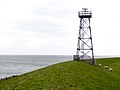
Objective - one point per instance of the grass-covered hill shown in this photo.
(71, 75)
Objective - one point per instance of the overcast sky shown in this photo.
(50, 27)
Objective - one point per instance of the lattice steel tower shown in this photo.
(85, 45)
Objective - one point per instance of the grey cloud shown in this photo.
(53, 8)
(40, 26)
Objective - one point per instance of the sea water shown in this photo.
(19, 64)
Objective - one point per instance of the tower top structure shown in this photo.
(85, 13)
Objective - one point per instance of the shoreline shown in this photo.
(67, 76)
(96, 57)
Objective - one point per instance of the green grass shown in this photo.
(71, 75)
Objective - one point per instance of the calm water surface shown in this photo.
(19, 64)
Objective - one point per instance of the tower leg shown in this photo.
(76, 57)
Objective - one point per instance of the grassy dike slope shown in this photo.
(69, 75)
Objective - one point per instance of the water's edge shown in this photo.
(12, 65)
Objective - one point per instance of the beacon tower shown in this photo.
(85, 46)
